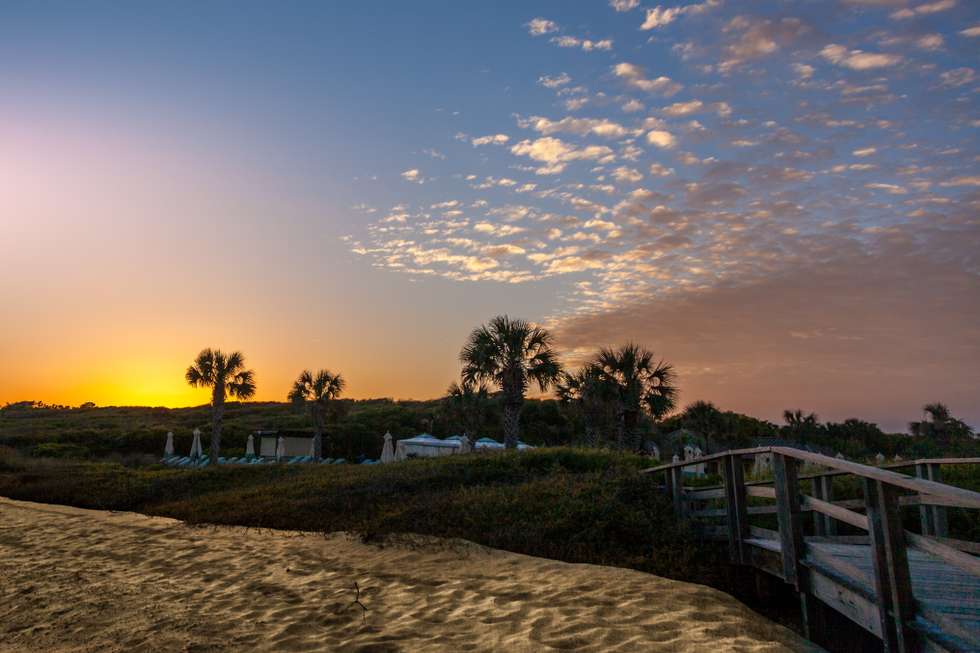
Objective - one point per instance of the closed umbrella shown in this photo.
(169, 449)
(280, 448)
(250, 447)
(464, 445)
(388, 451)
(196, 451)
(312, 448)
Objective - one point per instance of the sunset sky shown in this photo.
(780, 198)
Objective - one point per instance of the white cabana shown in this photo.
(250, 447)
(168, 450)
(692, 452)
(196, 451)
(388, 450)
(425, 446)
(280, 447)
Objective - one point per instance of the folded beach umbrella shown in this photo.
(168, 450)
(388, 451)
(280, 448)
(196, 450)
(464, 445)
(250, 447)
(312, 453)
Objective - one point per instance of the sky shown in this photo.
(782, 199)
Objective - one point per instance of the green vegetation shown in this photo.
(227, 377)
(318, 392)
(512, 355)
(568, 504)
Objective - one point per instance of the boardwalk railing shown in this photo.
(914, 591)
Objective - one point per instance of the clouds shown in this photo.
(582, 126)
(923, 9)
(635, 77)
(660, 16)
(493, 139)
(413, 175)
(797, 143)
(856, 59)
(541, 26)
(555, 154)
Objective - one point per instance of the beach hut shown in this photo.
(168, 449)
(388, 451)
(196, 451)
(250, 446)
(425, 446)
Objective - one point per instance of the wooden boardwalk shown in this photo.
(916, 591)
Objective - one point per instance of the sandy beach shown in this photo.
(85, 580)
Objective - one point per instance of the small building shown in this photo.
(296, 443)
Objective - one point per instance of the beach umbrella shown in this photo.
(280, 448)
(388, 451)
(312, 453)
(169, 449)
(250, 447)
(464, 445)
(196, 450)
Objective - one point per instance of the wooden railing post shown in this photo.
(785, 478)
(889, 560)
(735, 502)
(939, 525)
(925, 512)
(788, 514)
(932, 518)
(823, 489)
(677, 488)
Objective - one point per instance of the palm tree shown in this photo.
(586, 390)
(510, 354)
(704, 418)
(317, 391)
(637, 383)
(800, 425)
(226, 376)
(940, 424)
(467, 404)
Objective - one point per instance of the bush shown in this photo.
(59, 450)
(573, 505)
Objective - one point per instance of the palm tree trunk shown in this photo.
(512, 423)
(629, 429)
(620, 427)
(217, 412)
(317, 433)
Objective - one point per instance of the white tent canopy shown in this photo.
(429, 446)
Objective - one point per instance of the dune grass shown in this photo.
(567, 504)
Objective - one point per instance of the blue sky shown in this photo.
(781, 198)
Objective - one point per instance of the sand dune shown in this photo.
(84, 580)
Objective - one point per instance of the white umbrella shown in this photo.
(312, 448)
(196, 451)
(280, 448)
(387, 452)
(169, 449)
(464, 445)
(250, 447)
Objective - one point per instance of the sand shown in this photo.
(87, 580)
